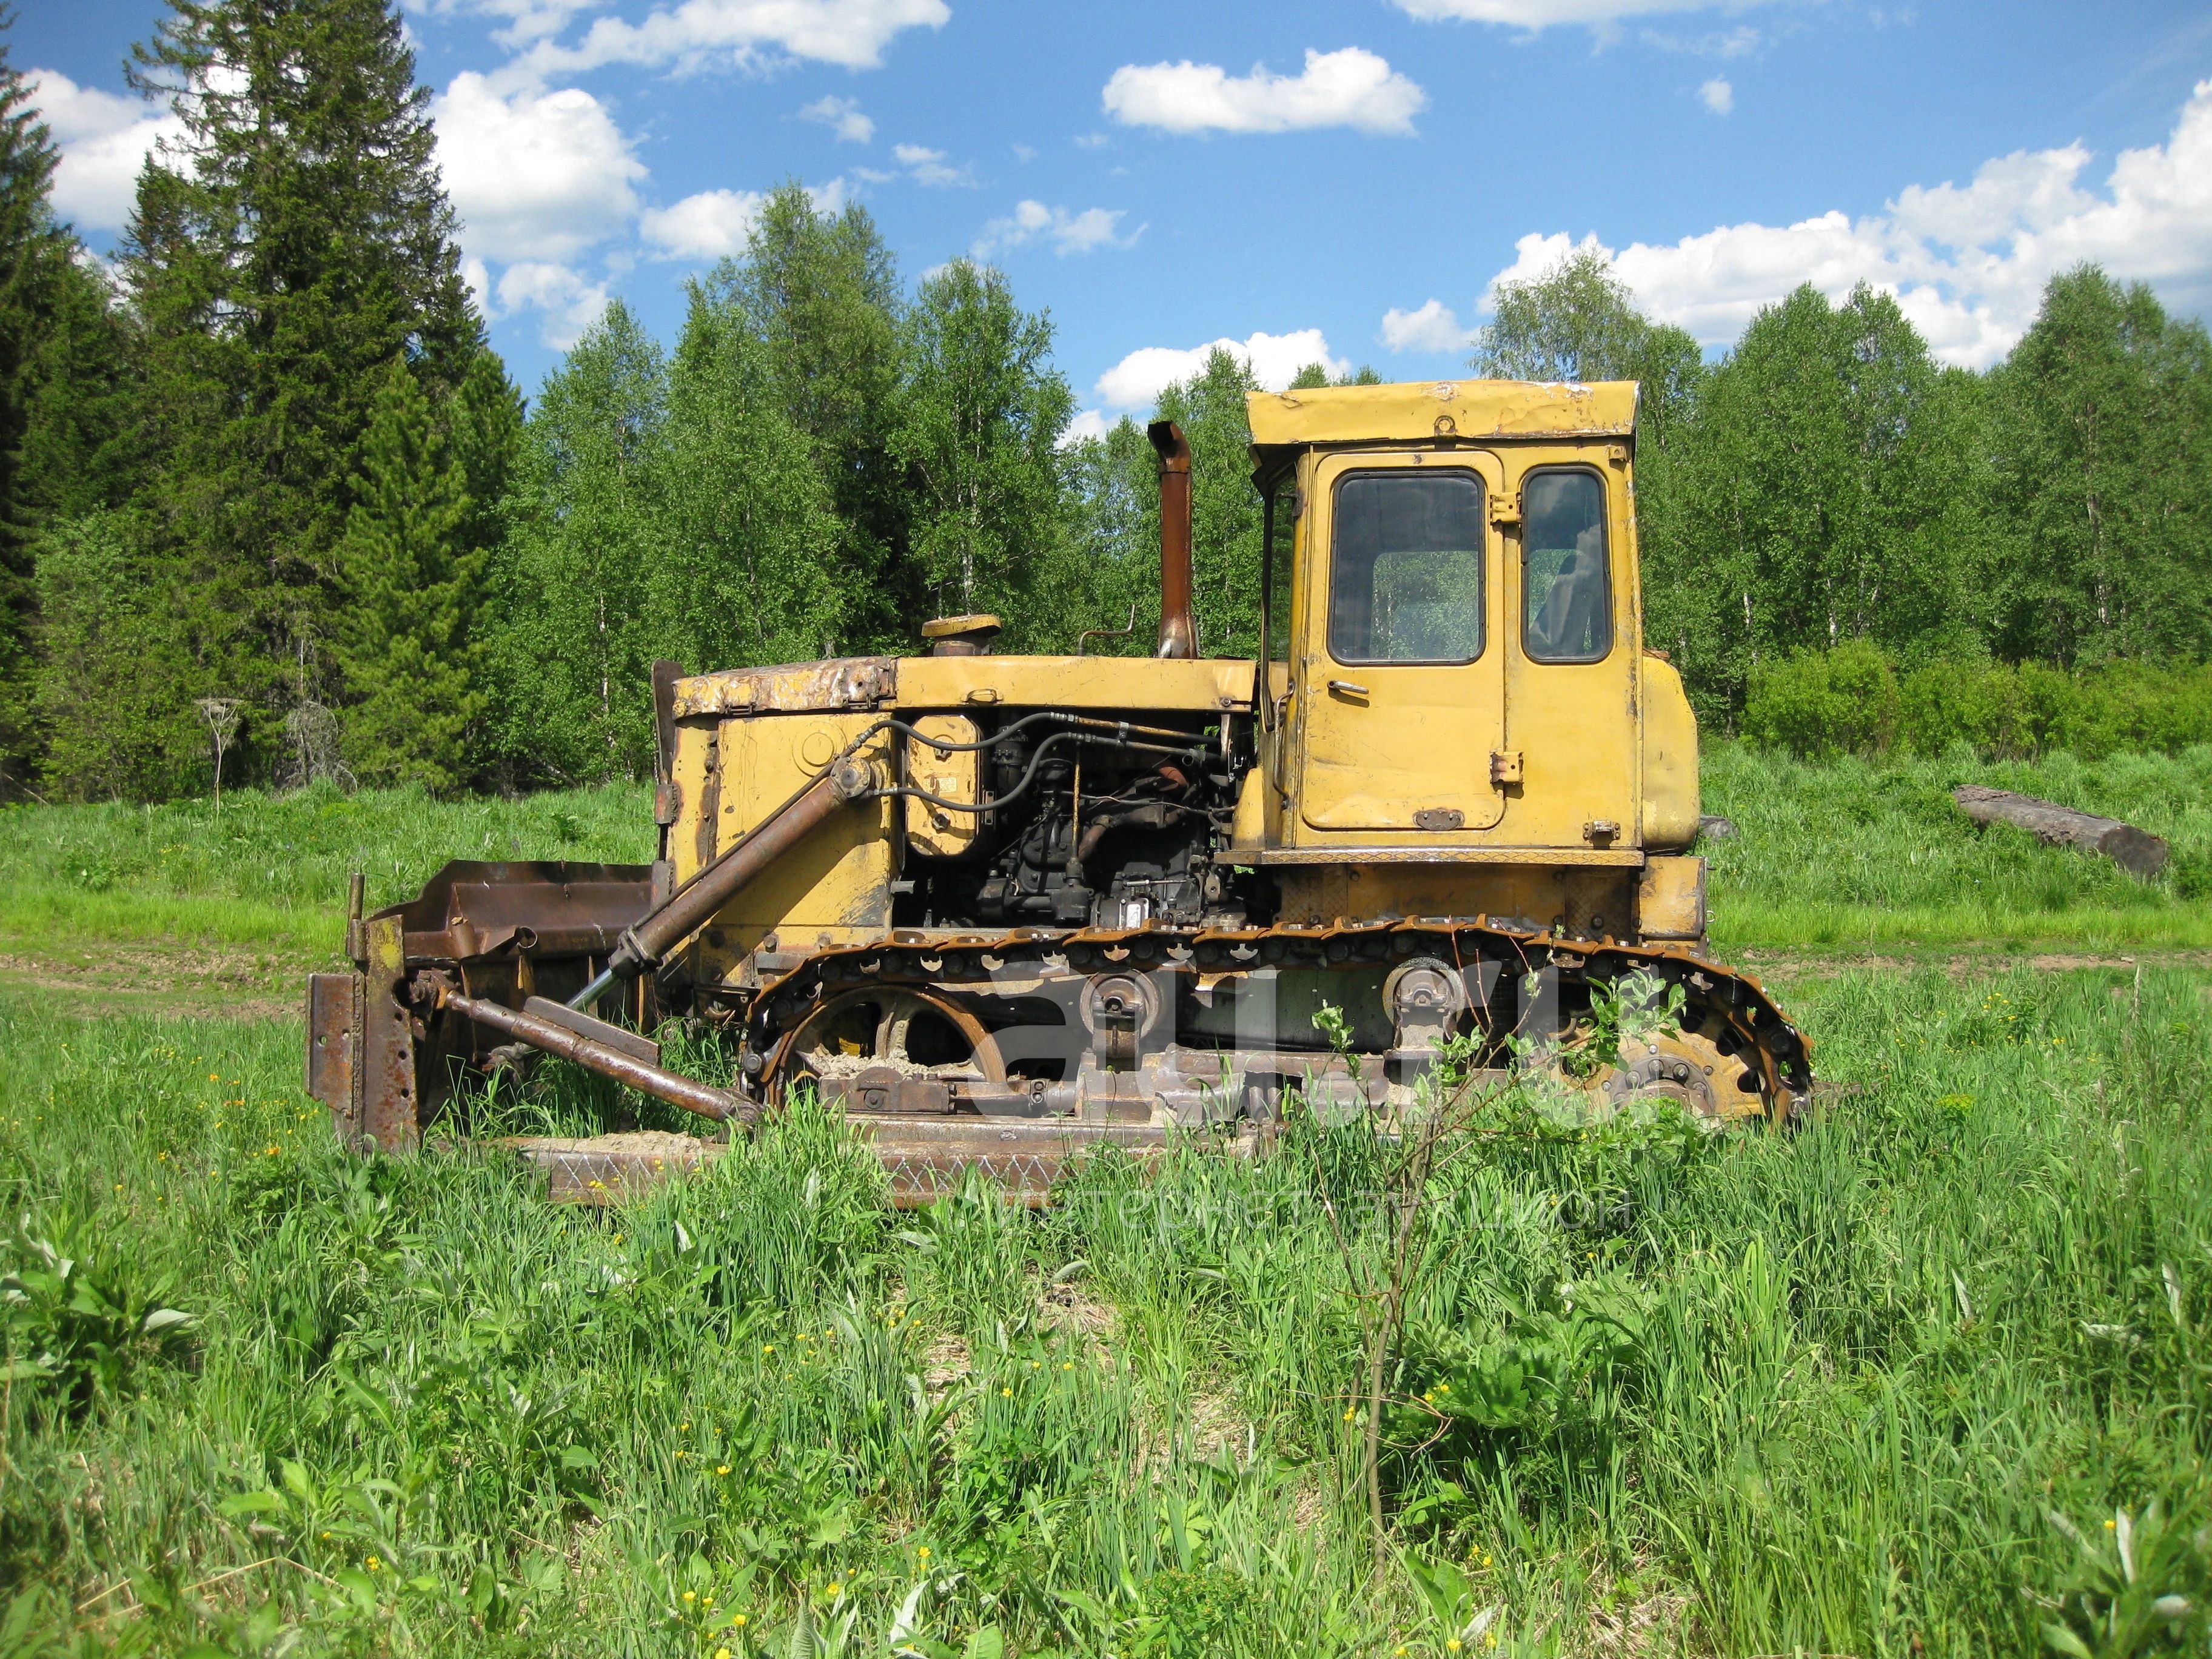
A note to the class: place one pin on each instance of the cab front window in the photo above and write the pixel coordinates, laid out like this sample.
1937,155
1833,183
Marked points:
1405,571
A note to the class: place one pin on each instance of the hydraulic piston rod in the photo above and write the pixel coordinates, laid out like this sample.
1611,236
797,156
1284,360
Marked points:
692,1096
643,945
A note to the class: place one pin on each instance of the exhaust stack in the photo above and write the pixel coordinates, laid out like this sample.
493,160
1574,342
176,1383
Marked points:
1178,626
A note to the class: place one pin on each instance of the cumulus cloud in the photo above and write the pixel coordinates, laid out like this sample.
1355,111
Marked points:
528,20
929,167
1534,14
1139,378
566,303
1434,327
1087,423
1967,263
842,117
707,33
533,176
1068,233
1717,96
1347,88
103,140
706,226
715,223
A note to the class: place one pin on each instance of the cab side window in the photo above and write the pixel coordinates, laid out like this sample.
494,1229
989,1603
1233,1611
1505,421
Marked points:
1405,571
1566,578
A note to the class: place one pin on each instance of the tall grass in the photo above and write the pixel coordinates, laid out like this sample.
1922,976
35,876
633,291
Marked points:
269,871
1658,1392
1854,854
1840,854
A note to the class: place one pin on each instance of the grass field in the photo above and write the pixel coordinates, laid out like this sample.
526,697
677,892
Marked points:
1841,856
1929,1376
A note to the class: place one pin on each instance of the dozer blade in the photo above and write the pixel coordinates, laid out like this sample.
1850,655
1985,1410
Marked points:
925,1158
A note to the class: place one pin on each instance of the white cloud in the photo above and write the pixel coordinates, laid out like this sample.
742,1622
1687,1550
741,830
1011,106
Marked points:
526,20
1534,14
842,117
1087,423
715,223
1139,378
1092,140
706,33
1346,88
1068,233
566,303
533,176
104,140
1025,153
1434,327
706,226
1717,96
1967,263
929,167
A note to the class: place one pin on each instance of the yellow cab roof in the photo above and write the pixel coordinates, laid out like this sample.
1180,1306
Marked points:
1427,409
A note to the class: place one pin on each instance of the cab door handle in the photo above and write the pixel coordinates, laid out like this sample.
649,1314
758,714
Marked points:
1345,688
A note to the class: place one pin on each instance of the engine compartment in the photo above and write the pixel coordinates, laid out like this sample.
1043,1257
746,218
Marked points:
1091,829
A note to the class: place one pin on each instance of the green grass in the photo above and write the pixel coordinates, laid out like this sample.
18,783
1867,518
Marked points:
1756,1394
1843,854
1855,855
268,872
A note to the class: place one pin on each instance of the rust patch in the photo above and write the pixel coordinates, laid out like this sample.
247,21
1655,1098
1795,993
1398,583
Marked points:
790,689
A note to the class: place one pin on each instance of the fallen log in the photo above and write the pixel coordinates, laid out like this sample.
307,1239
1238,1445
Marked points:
2136,851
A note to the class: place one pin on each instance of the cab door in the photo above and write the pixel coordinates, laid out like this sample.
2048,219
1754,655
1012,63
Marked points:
1401,687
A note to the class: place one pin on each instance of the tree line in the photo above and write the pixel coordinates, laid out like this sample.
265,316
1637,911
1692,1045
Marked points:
267,493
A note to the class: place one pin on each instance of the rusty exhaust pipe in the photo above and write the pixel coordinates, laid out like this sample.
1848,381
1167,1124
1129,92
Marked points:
1178,626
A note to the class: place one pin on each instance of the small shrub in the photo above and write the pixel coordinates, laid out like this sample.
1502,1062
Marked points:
1820,703
1852,700
81,1320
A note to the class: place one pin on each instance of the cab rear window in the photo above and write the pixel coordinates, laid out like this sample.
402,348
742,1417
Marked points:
1405,573
1566,583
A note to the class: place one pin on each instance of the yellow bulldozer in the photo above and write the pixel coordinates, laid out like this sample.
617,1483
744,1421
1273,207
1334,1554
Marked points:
999,910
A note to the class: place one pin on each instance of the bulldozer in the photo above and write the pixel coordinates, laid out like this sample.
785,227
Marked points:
1000,910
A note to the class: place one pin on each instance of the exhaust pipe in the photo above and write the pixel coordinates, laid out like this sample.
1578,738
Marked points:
1178,626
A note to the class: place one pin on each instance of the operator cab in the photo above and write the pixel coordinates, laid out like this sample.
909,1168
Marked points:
1455,674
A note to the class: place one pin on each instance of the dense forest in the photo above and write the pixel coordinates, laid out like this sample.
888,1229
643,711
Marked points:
270,501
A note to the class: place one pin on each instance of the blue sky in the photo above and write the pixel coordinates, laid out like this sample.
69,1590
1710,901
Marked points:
1344,180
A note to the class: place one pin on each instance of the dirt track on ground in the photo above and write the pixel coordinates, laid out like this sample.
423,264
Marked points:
1773,967
180,980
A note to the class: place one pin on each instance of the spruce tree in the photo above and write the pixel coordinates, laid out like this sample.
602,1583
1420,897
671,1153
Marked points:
296,244
117,677
408,593
35,253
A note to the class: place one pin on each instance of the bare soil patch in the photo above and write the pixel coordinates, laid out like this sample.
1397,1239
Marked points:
162,979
